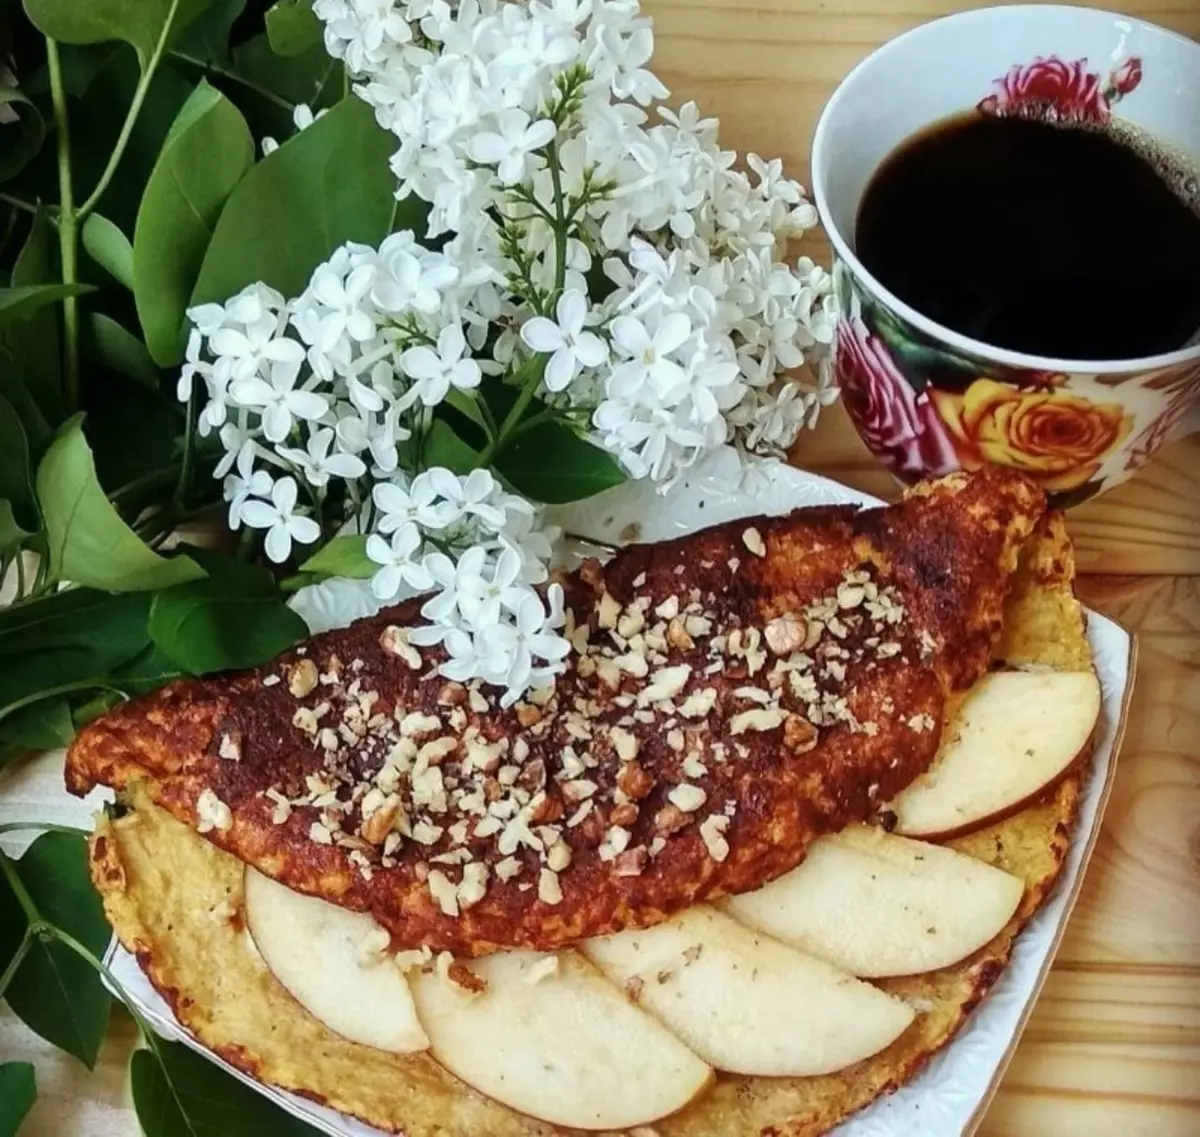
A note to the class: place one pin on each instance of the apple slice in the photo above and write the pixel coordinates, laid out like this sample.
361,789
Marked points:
1017,733
332,962
552,1038
878,905
745,1002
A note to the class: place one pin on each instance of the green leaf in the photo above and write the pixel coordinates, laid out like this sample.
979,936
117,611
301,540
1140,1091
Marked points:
203,627
27,412
89,543
109,248
45,725
16,482
110,629
297,205
118,349
55,993
70,643
32,342
149,671
343,556
23,139
18,1092
207,39
444,448
17,303
187,1096
11,534
94,130
314,78
206,154
292,28
138,22
551,463
468,403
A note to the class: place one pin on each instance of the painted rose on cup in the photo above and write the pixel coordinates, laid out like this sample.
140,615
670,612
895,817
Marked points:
901,427
943,366
1057,438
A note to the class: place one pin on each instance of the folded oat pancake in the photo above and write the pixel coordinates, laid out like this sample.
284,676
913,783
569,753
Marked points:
731,696
175,901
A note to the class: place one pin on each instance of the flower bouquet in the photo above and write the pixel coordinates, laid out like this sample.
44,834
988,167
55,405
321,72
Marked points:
310,306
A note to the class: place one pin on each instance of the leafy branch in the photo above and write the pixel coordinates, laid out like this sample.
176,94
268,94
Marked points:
51,980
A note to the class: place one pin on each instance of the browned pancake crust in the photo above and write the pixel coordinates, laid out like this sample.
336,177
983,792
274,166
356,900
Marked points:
946,555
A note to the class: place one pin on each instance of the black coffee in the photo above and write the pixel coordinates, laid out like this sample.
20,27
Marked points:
1053,240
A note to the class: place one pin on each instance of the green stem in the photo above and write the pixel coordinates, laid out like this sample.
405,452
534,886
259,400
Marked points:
68,224
131,116
18,203
22,951
560,229
20,574
189,450
84,953
40,827
234,77
152,480
61,689
9,869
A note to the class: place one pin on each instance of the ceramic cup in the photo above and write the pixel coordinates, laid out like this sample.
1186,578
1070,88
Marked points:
927,400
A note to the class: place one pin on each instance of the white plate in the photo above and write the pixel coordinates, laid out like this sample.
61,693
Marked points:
949,1097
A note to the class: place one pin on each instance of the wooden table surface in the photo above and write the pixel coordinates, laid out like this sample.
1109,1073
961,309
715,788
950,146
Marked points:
1113,1048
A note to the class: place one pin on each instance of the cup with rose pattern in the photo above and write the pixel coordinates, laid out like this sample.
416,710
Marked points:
927,400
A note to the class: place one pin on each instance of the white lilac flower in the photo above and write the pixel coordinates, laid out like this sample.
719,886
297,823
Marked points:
686,349
509,146
646,348
472,496
510,648
259,343
572,347
247,483
435,370
418,503
318,464
302,118
279,519
398,563
278,400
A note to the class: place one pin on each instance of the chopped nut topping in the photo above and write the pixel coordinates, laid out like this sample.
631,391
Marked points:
394,640
473,886
549,890
302,679
270,680
664,684
712,830
631,862
669,819
761,718
785,634
625,814
699,704
212,813
753,541
921,723
609,611
634,781
558,857
799,735
230,747
443,891
687,797
625,744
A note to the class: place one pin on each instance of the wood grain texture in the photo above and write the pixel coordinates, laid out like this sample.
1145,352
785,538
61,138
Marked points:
1113,1048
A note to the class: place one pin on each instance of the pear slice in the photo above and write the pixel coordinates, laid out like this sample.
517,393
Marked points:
332,962
554,1039
745,1002
878,905
1016,734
